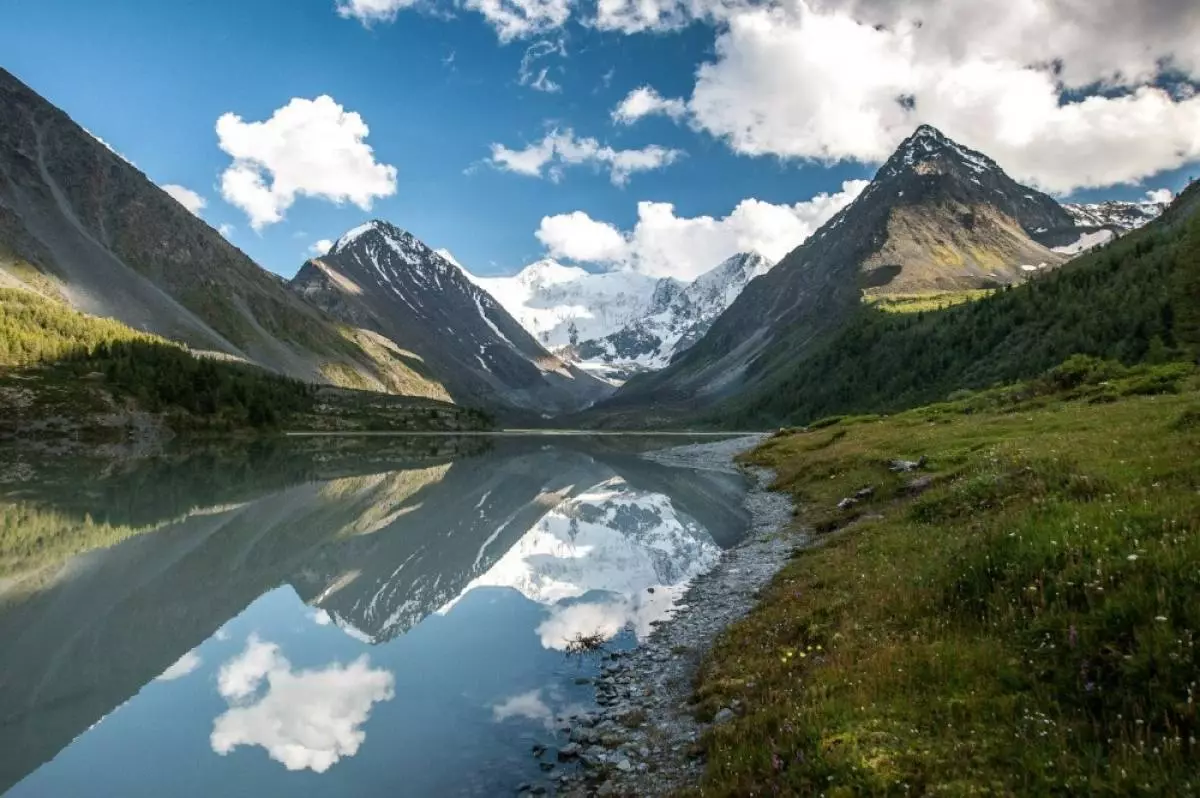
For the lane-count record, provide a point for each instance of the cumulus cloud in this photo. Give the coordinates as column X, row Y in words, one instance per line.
column 312, row 148
column 319, row 248
column 186, row 197
column 1160, row 195
column 578, row 237
column 369, row 11
column 849, row 79
column 646, row 101
column 226, row 230
column 558, row 150
column 637, row 16
column 306, row 719
column 526, row 705
column 515, row 19
column 663, row 244
column 535, row 77
column 181, row 667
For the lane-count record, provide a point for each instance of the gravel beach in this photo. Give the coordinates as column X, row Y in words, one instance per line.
column 642, row 739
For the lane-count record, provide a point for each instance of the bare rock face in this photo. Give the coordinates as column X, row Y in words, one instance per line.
column 382, row 278
column 79, row 221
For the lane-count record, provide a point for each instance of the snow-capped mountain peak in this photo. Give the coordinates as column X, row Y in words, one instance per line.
column 927, row 144
column 382, row 278
column 549, row 272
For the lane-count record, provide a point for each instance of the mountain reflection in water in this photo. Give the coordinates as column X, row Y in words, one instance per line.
column 438, row 581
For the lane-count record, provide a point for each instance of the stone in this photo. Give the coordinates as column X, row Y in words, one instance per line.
column 546, row 766
column 569, row 751
column 724, row 716
column 538, row 790
column 865, row 493
column 902, row 466
column 624, row 765
column 847, row 503
column 918, row 485
column 538, row 749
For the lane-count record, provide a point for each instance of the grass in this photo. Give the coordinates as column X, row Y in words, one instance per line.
column 1024, row 625
column 924, row 301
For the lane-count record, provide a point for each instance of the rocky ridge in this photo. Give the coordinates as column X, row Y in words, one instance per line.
column 81, row 224
column 385, row 280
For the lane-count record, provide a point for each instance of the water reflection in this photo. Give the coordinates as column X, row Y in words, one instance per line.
column 304, row 719
column 300, row 600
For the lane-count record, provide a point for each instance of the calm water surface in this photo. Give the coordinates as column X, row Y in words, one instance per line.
column 329, row 617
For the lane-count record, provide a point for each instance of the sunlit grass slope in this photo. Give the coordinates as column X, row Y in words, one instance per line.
column 1023, row 624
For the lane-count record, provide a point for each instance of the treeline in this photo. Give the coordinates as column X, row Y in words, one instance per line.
column 1137, row 300
column 36, row 330
column 159, row 375
column 163, row 377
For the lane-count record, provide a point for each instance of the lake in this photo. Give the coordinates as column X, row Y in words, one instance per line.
column 385, row 617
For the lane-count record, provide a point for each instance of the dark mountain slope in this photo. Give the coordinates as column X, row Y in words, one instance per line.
column 78, row 221
column 937, row 216
column 1135, row 300
column 383, row 279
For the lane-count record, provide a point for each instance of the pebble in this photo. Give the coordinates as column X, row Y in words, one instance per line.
column 654, row 681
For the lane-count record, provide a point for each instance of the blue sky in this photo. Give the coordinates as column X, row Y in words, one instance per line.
column 438, row 86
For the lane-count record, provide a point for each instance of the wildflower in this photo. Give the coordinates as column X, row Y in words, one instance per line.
column 1131, row 557
column 1160, row 618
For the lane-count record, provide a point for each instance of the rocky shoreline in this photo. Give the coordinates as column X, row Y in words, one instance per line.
column 642, row 740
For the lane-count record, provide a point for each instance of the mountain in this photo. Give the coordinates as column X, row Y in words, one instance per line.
column 677, row 317
column 81, row 224
column 381, row 278
column 1100, row 222
column 937, row 217
column 1136, row 300
column 1115, row 214
column 617, row 324
column 563, row 305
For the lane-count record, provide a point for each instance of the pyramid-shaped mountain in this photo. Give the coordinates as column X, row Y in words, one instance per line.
column 937, row 217
column 382, row 278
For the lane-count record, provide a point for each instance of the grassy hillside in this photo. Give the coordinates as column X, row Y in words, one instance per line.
column 1136, row 300
column 60, row 369
column 1017, row 617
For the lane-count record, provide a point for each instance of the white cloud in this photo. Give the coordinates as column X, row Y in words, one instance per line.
column 312, row 148
column 560, row 149
column 511, row 19
column 663, row 244
column 321, row 618
column 186, row 197
column 577, row 236
column 646, row 101
column 226, row 230
column 515, row 19
column 181, row 667
column 538, row 78
column 849, row 79
column 320, row 247
column 637, row 16
column 306, row 719
column 241, row 676
column 368, row 11
column 1160, row 195
column 526, row 705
